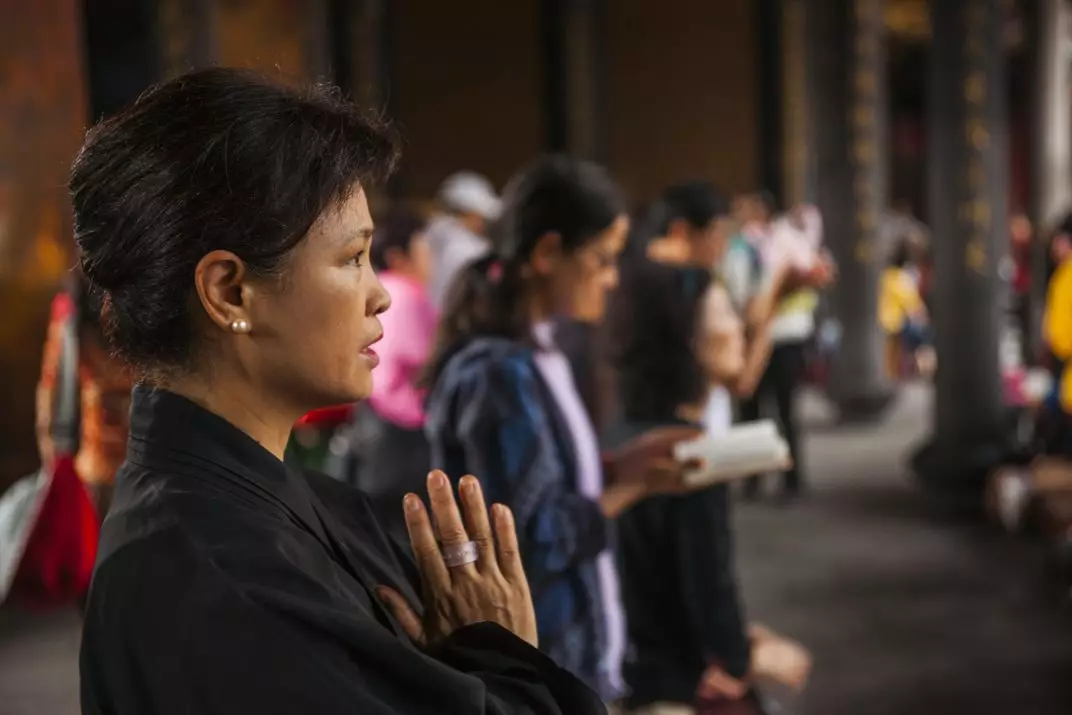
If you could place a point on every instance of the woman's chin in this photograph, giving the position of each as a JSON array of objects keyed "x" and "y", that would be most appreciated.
[
  {"x": 357, "y": 389},
  {"x": 361, "y": 390}
]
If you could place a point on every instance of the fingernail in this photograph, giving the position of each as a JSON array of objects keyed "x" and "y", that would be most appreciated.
[
  {"x": 412, "y": 502},
  {"x": 436, "y": 480},
  {"x": 468, "y": 483}
]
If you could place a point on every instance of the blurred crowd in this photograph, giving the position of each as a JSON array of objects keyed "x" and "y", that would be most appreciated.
[
  {"x": 534, "y": 339},
  {"x": 556, "y": 342}
]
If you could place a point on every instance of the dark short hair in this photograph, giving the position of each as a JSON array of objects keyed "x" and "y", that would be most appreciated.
[
  {"x": 696, "y": 202},
  {"x": 653, "y": 328},
  {"x": 395, "y": 231},
  {"x": 215, "y": 159}
]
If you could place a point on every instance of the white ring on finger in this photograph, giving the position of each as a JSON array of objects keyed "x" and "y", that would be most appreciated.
[{"x": 455, "y": 555}]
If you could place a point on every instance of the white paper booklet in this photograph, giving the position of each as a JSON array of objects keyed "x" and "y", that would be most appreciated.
[{"x": 743, "y": 450}]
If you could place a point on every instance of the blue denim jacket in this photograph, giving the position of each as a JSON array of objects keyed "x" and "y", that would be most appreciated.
[{"x": 491, "y": 415}]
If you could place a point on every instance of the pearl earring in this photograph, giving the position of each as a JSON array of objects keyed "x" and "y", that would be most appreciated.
[{"x": 241, "y": 325}]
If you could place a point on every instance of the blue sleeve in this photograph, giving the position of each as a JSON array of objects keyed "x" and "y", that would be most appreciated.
[{"x": 508, "y": 445}]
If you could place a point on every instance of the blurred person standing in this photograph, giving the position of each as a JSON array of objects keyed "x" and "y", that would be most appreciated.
[
  {"x": 695, "y": 226},
  {"x": 104, "y": 393},
  {"x": 505, "y": 406},
  {"x": 792, "y": 243},
  {"x": 459, "y": 234},
  {"x": 679, "y": 343},
  {"x": 687, "y": 633},
  {"x": 1057, "y": 317},
  {"x": 902, "y": 313}
]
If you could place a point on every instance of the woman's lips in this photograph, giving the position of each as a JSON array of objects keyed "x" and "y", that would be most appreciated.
[{"x": 370, "y": 354}]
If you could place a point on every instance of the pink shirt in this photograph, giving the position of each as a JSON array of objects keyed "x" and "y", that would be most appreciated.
[{"x": 408, "y": 331}]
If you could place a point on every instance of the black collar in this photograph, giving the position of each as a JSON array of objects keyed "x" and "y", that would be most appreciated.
[{"x": 172, "y": 433}]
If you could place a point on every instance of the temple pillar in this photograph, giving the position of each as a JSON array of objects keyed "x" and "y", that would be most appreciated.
[
  {"x": 847, "y": 50},
  {"x": 968, "y": 189}
]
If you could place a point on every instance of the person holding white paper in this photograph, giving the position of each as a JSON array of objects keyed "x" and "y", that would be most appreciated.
[
  {"x": 687, "y": 635},
  {"x": 689, "y": 644}
]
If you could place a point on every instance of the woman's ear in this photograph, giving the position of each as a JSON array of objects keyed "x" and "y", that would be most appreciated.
[{"x": 220, "y": 279}]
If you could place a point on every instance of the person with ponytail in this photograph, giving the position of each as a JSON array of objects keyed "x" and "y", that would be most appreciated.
[{"x": 504, "y": 405}]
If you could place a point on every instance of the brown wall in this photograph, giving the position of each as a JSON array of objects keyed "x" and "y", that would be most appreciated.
[
  {"x": 467, "y": 90},
  {"x": 683, "y": 93},
  {"x": 270, "y": 35},
  {"x": 42, "y": 110}
]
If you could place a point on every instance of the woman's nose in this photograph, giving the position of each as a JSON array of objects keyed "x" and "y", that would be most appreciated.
[{"x": 379, "y": 301}]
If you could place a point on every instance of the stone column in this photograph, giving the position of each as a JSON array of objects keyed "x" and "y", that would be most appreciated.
[
  {"x": 574, "y": 90},
  {"x": 1051, "y": 161},
  {"x": 847, "y": 47},
  {"x": 798, "y": 142},
  {"x": 968, "y": 190}
]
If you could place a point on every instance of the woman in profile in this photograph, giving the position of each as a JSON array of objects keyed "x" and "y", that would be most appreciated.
[
  {"x": 224, "y": 222},
  {"x": 678, "y": 338},
  {"x": 505, "y": 405},
  {"x": 681, "y": 347}
]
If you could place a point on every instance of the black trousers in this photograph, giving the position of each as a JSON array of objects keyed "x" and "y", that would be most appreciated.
[{"x": 780, "y": 384}]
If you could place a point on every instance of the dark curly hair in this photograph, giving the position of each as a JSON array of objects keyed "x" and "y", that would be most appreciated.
[
  {"x": 652, "y": 341},
  {"x": 214, "y": 159}
]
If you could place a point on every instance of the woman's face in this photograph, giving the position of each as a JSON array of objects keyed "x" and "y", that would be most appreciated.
[
  {"x": 720, "y": 337},
  {"x": 586, "y": 276},
  {"x": 311, "y": 330}
]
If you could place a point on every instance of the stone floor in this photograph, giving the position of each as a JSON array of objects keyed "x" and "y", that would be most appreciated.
[{"x": 907, "y": 610}]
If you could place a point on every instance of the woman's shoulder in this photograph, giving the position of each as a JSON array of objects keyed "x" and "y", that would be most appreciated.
[
  {"x": 488, "y": 376},
  {"x": 204, "y": 542},
  {"x": 485, "y": 360}
]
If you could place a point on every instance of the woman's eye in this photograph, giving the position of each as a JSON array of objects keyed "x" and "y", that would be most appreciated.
[{"x": 358, "y": 258}]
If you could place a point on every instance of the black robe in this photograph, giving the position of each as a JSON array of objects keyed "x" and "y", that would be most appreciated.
[{"x": 228, "y": 583}]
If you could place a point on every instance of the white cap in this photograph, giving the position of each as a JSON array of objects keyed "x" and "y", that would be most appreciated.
[{"x": 469, "y": 192}]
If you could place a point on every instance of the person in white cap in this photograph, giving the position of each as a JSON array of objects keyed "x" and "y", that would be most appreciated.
[{"x": 458, "y": 235}]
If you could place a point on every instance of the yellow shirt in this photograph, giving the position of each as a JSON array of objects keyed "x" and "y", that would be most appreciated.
[
  {"x": 898, "y": 300},
  {"x": 1057, "y": 326}
]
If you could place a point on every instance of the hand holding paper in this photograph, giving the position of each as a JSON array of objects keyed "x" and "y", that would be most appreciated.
[{"x": 744, "y": 450}]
